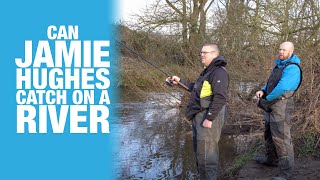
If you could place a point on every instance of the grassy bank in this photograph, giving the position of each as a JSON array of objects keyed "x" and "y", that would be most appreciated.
[
  {"x": 306, "y": 147},
  {"x": 240, "y": 161}
]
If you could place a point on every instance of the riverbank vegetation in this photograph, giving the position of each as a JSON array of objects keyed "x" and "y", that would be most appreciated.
[{"x": 170, "y": 34}]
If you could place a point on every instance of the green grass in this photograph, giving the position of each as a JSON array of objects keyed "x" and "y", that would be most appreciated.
[
  {"x": 240, "y": 161},
  {"x": 306, "y": 145}
]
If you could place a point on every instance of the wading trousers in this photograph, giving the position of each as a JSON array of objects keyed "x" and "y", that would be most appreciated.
[
  {"x": 279, "y": 147},
  {"x": 205, "y": 144}
]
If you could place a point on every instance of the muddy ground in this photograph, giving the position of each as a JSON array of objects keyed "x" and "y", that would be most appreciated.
[{"x": 304, "y": 169}]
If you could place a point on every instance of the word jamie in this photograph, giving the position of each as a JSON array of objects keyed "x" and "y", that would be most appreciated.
[{"x": 59, "y": 80}]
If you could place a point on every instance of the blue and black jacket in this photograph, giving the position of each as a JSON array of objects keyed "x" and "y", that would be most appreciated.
[{"x": 289, "y": 80}]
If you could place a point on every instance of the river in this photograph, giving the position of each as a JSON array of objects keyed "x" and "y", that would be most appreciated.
[{"x": 156, "y": 141}]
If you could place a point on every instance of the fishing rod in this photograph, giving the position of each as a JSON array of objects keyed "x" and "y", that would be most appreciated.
[{"x": 167, "y": 82}]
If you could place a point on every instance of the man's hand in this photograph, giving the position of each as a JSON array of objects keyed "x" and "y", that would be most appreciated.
[
  {"x": 259, "y": 94},
  {"x": 206, "y": 123},
  {"x": 174, "y": 79}
]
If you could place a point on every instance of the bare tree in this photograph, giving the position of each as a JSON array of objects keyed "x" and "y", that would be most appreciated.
[
  {"x": 249, "y": 33},
  {"x": 186, "y": 19}
]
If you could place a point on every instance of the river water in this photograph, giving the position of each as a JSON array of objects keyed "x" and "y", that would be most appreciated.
[{"x": 156, "y": 141}]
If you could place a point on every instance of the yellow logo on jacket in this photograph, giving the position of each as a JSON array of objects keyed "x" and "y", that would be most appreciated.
[{"x": 206, "y": 90}]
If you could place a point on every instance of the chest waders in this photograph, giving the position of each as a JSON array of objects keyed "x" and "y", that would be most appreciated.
[
  {"x": 278, "y": 143},
  {"x": 205, "y": 140}
]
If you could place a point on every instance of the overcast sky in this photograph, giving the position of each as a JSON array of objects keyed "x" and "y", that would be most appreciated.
[{"x": 128, "y": 7}]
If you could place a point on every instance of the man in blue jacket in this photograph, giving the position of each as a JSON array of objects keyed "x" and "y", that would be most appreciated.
[{"x": 285, "y": 78}]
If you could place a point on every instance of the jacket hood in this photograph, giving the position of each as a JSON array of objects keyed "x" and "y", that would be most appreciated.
[
  {"x": 216, "y": 62},
  {"x": 293, "y": 59}
]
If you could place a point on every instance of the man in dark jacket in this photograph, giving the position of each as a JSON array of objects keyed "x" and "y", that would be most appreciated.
[
  {"x": 206, "y": 109},
  {"x": 278, "y": 96}
]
